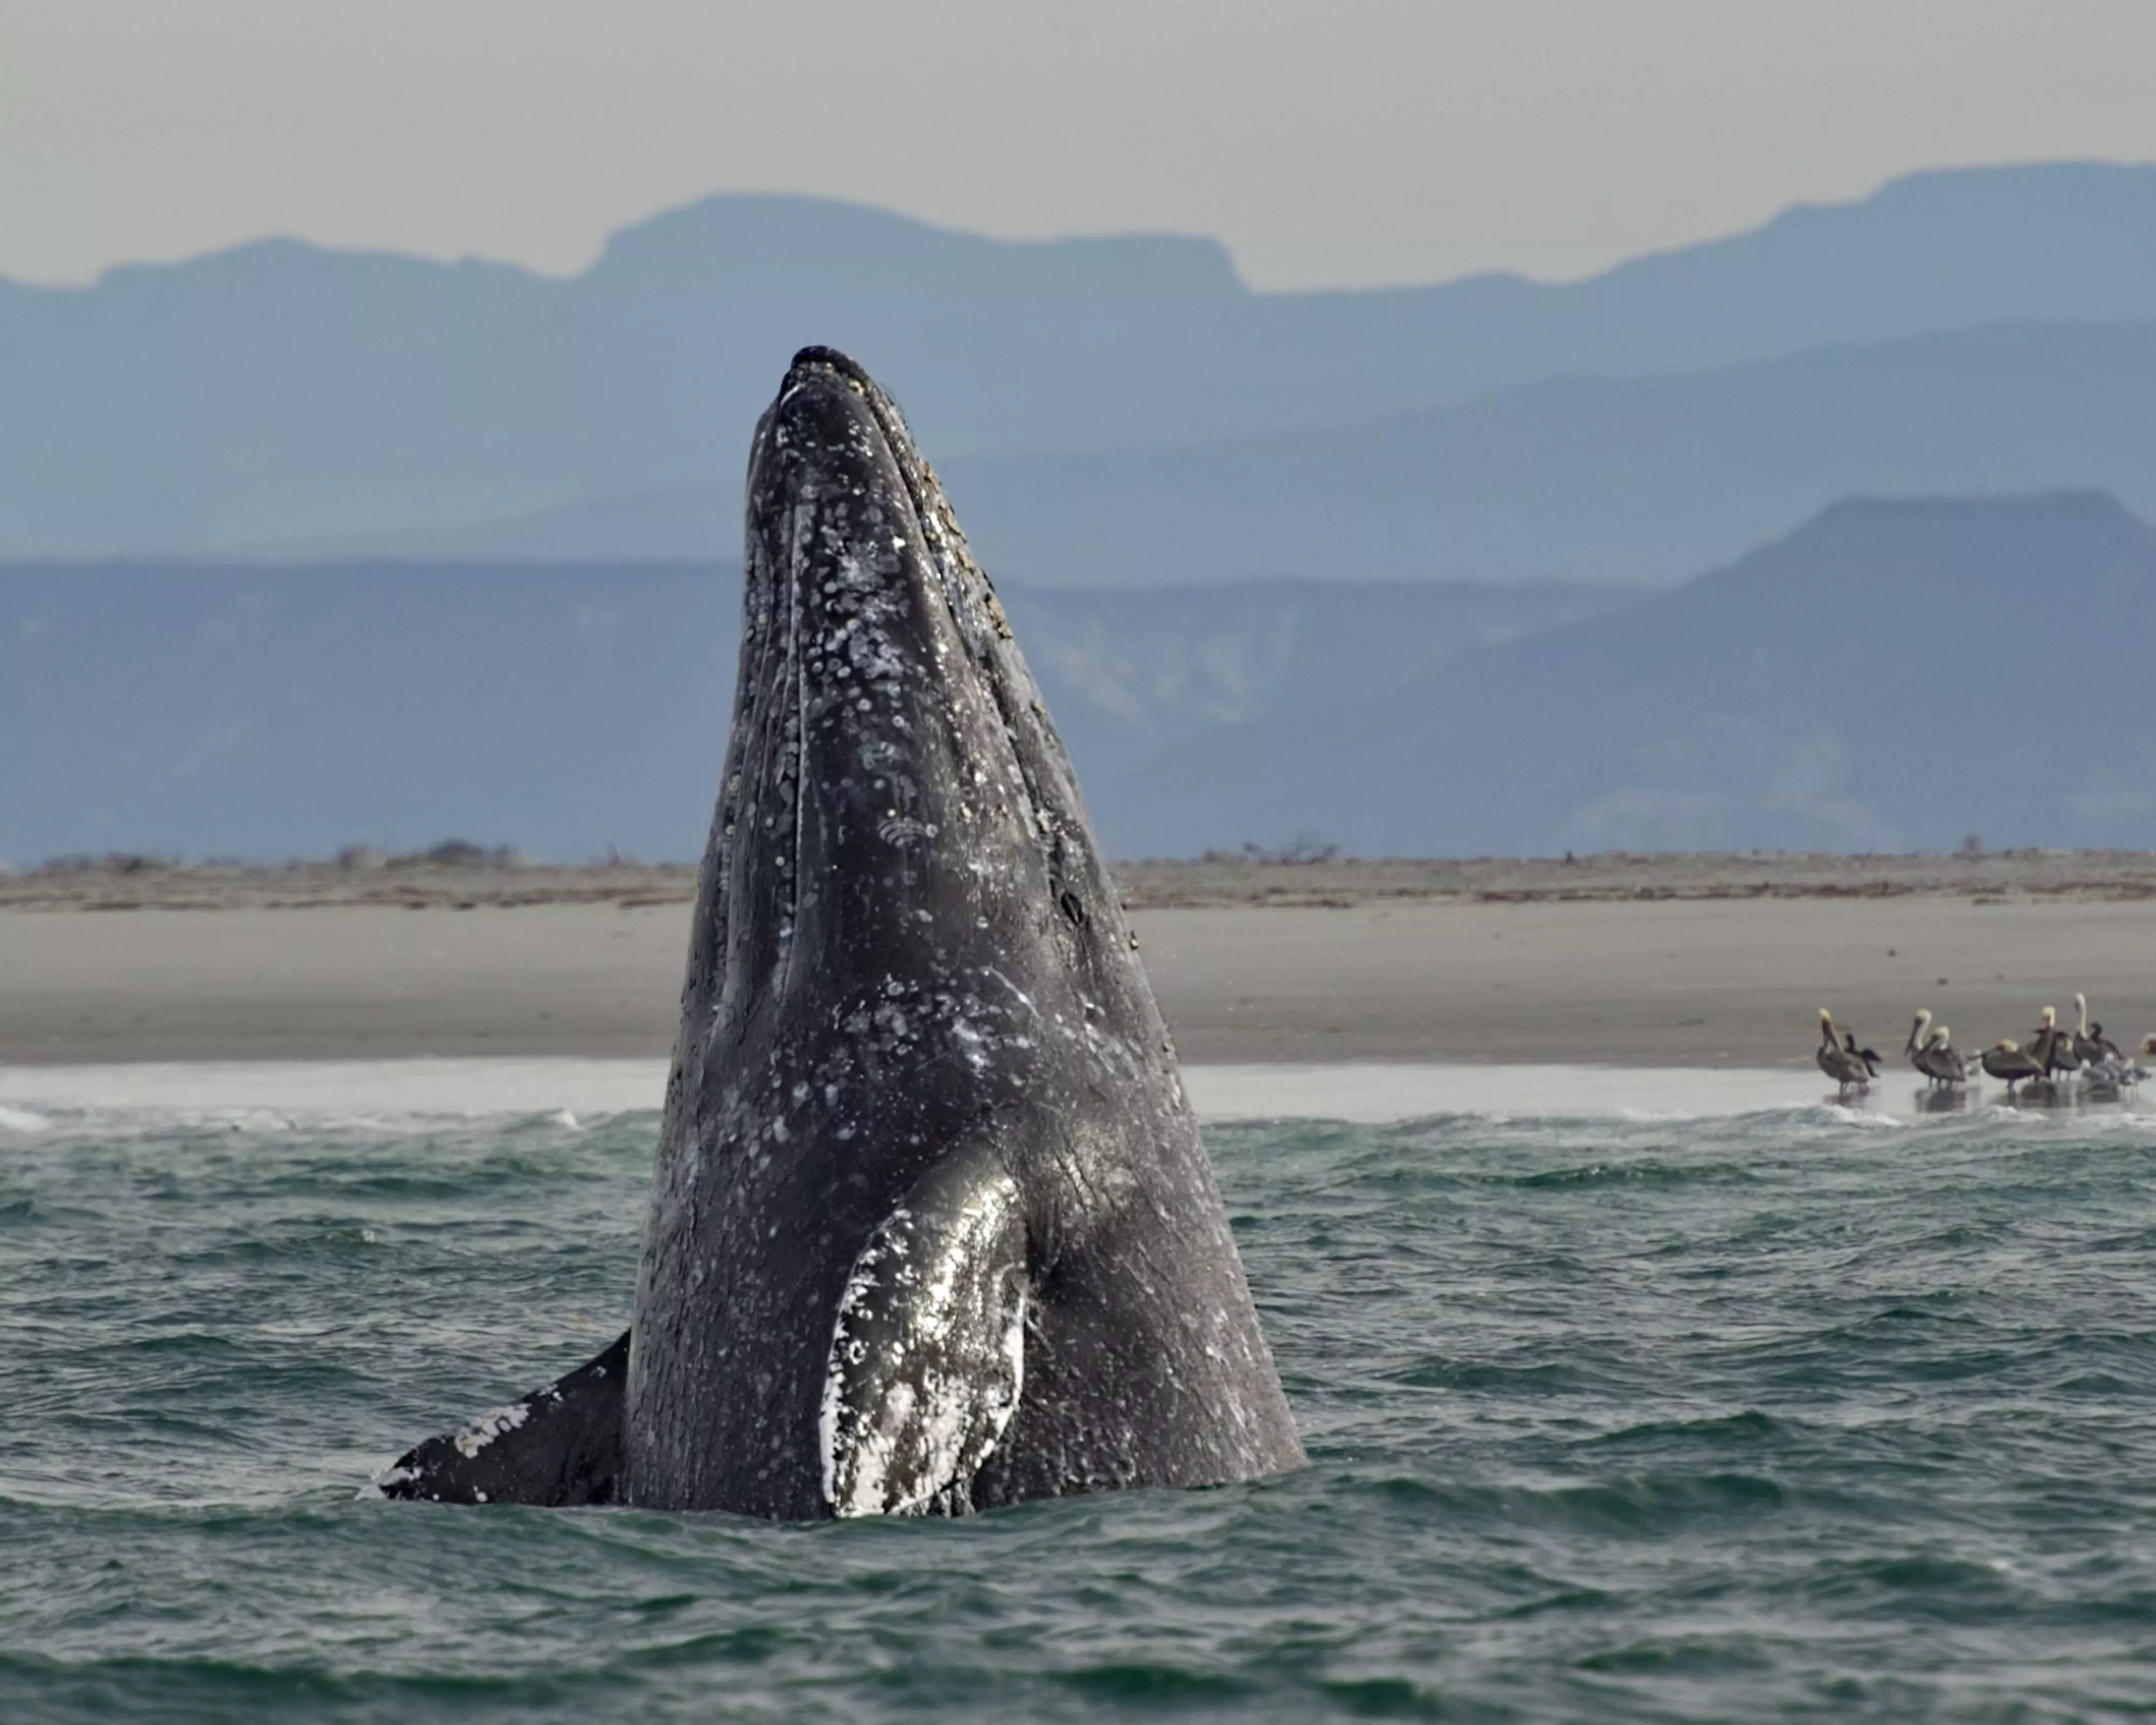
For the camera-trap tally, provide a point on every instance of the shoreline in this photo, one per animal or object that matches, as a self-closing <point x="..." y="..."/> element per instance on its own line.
<point x="363" y="1095"/>
<point x="1695" y="982"/>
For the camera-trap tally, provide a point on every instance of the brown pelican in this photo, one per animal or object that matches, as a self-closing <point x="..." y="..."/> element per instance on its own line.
<point x="1844" y="1066"/>
<point x="1917" y="1034"/>
<point x="1870" y="1056"/>
<point x="2007" y="1061"/>
<point x="1922" y="1038"/>
<point x="1939" y="1061"/>
<point x="2051" y="1047"/>
<point x="2090" y="1045"/>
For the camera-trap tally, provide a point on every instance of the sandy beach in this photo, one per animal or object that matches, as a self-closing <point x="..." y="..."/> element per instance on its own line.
<point x="1660" y="962"/>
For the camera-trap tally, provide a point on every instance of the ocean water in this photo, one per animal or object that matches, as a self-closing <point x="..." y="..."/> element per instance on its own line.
<point x="1798" y="1412"/>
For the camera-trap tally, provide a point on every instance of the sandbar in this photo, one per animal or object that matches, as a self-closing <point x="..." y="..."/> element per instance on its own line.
<point x="1674" y="982"/>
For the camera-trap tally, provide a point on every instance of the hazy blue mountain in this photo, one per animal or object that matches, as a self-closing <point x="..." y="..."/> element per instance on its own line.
<point x="1634" y="480"/>
<point x="210" y="710"/>
<point x="267" y="713"/>
<point x="1132" y="675"/>
<point x="683" y="523"/>
<point x="1894" y="675"/>
<point x="281" y="393"/>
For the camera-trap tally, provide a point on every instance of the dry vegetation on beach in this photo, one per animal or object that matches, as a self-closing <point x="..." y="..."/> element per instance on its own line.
<point x="449" y="877"/>
<point x="457" y="876"/>
<point x="1617" y="876"/>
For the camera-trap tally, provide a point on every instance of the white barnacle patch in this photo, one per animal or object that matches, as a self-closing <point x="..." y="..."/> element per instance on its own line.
<point x="484" y="1429"/>
<point x="971" y="1043"/>
<point x="926" y="1363"/>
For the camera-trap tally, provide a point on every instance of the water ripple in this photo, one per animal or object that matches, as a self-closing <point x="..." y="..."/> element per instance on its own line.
<point x="1787" y="1414"/>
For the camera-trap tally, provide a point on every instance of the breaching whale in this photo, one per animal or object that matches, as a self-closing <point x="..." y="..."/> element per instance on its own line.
<point x="932" y="1229"/>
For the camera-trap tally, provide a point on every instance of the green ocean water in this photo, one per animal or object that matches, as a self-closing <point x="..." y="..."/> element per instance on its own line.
<point x="1802" y="1414"/>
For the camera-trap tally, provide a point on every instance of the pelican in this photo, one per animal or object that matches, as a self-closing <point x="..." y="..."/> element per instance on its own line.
<point x="2006" y="1060"/>
<point x="2051" y="1047"/>
<point x="1920" y="1040"/>
<point x="2091" y="1045"/>
<point x="1870" y="1056"/>
<point x="1917" y="1034"/>
<point x="1844" y="1066"/>
<point x="1939" y="1061"/>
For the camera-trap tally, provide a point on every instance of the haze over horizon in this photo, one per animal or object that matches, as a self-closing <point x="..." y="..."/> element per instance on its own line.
<point x="1363" y="146"/>
<point x="418" y="517"/>
<point x="1976" y="330"/>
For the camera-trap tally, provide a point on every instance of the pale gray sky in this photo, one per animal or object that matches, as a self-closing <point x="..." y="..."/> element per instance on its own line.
<point x="1351" y="141"/>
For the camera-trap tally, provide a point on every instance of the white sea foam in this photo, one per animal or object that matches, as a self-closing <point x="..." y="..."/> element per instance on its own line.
<point x="247" y="1093"/>
<point x="272" y="1096"/>
<point x="1372" y="1093"/>
<point x="1864" y="1119"/>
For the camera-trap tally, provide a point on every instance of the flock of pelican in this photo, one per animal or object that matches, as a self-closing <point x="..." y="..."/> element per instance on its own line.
<point x="2053" y="1052"/>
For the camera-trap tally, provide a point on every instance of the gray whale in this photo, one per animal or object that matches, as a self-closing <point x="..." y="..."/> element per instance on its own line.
<point x="932" y="1229"/>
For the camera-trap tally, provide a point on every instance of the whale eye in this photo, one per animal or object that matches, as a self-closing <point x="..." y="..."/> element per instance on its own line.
<point x="1074" y="911"/>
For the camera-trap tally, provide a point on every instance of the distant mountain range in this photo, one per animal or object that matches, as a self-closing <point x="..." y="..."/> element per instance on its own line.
<point x="1892" y="675"/>
<point x="284" y="395"/>
<point x="1638" y="480"/>
<point x="1629" y="481"/>
<point x="1393" y="568"/>
<point x="212" y="709"/>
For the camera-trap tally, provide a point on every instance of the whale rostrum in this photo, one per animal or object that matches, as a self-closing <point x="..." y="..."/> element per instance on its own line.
<point x="930" y="1230"/>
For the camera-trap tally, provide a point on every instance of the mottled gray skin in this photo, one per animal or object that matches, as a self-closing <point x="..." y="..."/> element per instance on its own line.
<point x="906" y="950"/>
<point x="931" y="1229"/>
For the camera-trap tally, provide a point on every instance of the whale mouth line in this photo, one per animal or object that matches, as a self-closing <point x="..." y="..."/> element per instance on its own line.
<point x="793" y="762"/>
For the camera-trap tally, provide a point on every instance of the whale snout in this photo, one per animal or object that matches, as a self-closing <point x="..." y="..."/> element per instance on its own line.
<point x="876" y="725"/>
<point x="814" y="358"/>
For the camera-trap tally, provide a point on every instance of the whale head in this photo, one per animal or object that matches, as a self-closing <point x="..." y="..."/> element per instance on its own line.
<point x="894" y="799"/>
